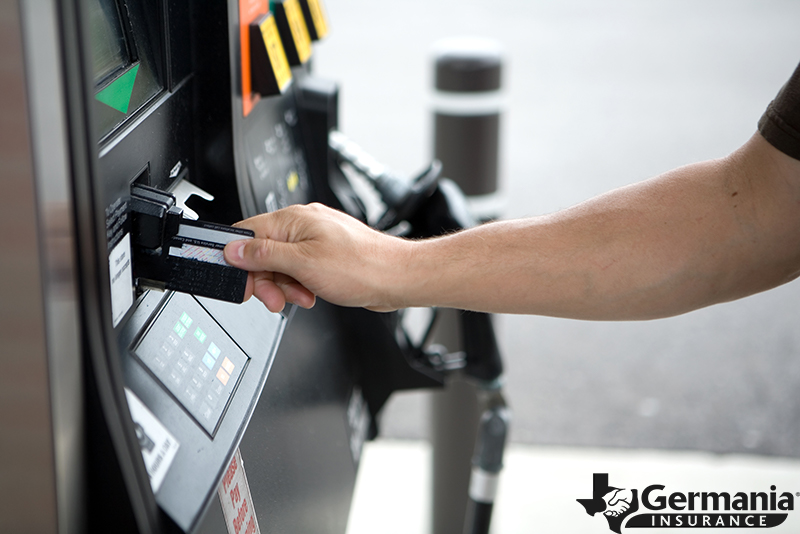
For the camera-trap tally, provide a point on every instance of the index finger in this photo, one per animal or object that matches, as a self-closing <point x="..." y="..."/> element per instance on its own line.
<point x="271" y="225"/>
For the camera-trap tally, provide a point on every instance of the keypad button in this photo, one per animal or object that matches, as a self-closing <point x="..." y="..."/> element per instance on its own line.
<point x="189" y="356"/>
<point x="176" y="377"/>
<point x="182" y="366"/>
<point x="159" y="363"/>
<point x="200" y="335"/>
<point x="196" y="382"/>
<point x="211" y="398"/>
<point x="222" y="376"/>
<point x="167" y="350"/>
<point x="190" y="395"/>
<point x="180" y="330"/>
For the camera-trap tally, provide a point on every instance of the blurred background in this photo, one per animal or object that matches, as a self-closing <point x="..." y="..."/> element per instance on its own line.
<point x="599" y="94"/>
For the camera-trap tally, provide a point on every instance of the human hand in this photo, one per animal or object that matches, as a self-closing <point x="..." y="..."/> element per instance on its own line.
<point x="303" y="251"/>
<point x="617" y="502"/>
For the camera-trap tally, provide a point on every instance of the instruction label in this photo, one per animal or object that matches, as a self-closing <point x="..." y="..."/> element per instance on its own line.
<point x="237" y="504"/>
<point x="158" y="445"/>
<point x="120" y="271"/>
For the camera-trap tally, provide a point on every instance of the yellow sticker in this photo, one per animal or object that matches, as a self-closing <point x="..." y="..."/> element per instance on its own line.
<point x="292" y="181"/>
<point x="302" y="41"/>
<point x="277" y="56"/>
<point x="318" y="16"/>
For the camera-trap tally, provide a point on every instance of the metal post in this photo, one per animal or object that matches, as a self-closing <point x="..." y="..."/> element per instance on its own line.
<point x="466" y="140"/>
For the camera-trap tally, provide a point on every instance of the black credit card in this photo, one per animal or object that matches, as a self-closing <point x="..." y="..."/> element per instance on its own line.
<point x="197" y="264"/>
<point x="190" y="259"/>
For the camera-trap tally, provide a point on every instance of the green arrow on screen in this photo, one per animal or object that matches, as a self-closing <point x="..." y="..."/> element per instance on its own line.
<point x="118" y="93"/>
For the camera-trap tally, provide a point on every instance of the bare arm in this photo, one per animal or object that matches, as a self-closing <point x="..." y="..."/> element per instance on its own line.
<point x="698" y="235"/>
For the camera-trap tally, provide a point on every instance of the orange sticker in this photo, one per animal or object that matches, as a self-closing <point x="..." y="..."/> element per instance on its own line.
<point x="228" y="366"/>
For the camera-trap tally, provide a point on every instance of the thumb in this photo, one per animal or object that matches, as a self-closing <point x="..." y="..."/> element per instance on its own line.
<point x="260" y="254"/>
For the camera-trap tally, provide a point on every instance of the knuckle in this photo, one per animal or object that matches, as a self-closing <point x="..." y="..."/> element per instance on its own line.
<point x="292" y="209"/>
<point x="316" y="210"/>
<point x="260" y="249"/>
<point x="315" y="206"/>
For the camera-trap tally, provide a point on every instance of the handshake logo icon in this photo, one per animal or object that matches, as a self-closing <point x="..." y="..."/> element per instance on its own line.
<point x="657" y="508"/>
<point x="614" y="503"/>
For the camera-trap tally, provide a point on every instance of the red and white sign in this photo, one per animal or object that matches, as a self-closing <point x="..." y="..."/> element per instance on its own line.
<point x="237" y="504"/>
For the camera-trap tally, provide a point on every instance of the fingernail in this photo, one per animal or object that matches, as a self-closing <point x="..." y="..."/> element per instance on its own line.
<point x="236" y="250"/>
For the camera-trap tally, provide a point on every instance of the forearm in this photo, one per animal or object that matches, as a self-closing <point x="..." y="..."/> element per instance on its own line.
<point x="698" y="235"/>
<point x="695" y="236"/>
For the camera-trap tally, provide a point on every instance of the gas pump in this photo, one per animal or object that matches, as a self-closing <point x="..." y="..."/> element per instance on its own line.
<point x="163" y="123"/>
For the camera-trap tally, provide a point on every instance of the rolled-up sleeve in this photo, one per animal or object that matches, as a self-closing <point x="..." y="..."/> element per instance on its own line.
<point x="780" y="123"/>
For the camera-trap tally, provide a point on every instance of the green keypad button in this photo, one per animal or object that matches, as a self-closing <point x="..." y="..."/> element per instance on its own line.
<point x="186" y="320"/>
<point x="200" y="335"/>
<point x="179" y="329"/>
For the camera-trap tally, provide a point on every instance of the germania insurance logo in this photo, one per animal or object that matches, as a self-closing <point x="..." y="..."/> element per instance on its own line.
<point x="658" y="507"/>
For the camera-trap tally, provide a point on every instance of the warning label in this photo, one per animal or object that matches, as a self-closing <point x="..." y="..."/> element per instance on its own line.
<point x="234" y="495"/>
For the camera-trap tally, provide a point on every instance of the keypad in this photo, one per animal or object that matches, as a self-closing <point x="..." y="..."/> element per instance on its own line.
<point x="193" y="358"/>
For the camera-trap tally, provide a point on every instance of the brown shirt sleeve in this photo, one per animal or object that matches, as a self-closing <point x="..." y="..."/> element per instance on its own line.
<point x="780" y="123"/>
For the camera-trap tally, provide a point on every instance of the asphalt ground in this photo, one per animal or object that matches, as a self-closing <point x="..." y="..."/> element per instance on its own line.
<point x="600" y="94"/>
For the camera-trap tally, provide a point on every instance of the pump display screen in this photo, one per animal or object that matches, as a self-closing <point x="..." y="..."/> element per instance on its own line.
<point x="109" y="47"/>
<point x="125" y="51"/>
<point x="194" y="359"/>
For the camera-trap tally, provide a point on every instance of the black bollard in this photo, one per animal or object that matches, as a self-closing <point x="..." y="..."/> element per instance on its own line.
<point x="467" y="106"/>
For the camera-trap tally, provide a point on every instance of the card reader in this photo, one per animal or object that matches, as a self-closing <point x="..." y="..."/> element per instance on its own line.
<point x="180" y="254"/>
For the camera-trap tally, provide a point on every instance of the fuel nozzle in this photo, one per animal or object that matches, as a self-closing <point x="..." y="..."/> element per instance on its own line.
<point x="401" y="196"/>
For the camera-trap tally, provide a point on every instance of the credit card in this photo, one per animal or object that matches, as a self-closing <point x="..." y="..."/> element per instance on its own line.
<point x="191" y="260"/>
<point x="204" y="279"/>
<point x="209" y="232"/>
<point x="204" y="241"/>
<point x="197" y="264"/>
